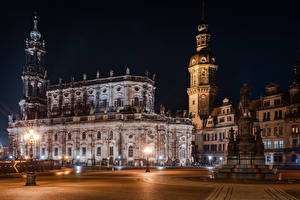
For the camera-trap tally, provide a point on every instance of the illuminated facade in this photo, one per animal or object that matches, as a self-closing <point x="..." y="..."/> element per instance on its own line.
<point x="276" y="112"/>
<point x="202" y="67"/>
<point x="95" y="120"/>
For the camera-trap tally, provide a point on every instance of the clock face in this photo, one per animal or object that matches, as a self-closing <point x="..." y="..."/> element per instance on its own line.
<point x="203" y="96"/>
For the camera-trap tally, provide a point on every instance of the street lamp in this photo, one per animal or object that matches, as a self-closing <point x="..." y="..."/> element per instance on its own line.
<point x="147" y="151"/>
<point x="160" y="159"/>
<point x="221" y="159"/>
<point x="108" y="151"/>
<point x="31" y="137"/>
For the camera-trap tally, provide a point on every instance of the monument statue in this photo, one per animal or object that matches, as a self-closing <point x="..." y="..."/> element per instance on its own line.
<point x="245" y="156"/>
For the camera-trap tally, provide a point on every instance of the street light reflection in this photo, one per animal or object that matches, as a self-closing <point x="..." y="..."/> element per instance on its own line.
<point x="78" y="169"/>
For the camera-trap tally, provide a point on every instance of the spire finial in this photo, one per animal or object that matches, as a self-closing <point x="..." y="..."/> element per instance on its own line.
<point x="35" y="34"/>
<point x="203" y="14"/>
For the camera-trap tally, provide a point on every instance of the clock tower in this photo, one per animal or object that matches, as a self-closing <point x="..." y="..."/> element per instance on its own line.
<point x="202" y="67"/>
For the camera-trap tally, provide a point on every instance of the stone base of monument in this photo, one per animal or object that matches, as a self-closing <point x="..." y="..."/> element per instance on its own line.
<point x="246" y="168"/>
<point x="30" y="179"/>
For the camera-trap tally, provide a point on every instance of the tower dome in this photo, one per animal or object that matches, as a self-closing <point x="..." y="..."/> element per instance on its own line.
<point x="35" y="34"/>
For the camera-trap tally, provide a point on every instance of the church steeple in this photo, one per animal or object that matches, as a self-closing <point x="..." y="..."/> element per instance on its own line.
<point x="203" y="37"/>
<point x="202" y="67"/>
<point x="33" y="102"/>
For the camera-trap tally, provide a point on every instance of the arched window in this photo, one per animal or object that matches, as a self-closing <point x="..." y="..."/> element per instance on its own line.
<point x="111" y="135"/>
<point x="130" y="151"/>
<point x="69" y="136"/>
<point x="136" y="101"/>
<point x="182" y="152"/>
<point x="99" y="135"/>
<point x="83" y="135"/>
<point x="55" y="137"/>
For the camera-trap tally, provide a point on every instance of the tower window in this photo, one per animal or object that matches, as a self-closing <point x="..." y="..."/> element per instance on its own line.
<point x="130" y="151"/>
<point x="99" y="135"/>
<point x="111" y="151"/>
<point x="69" y="136"/>
<point x="98" y="151"/>
<point x="55" y="151"/>
<point x="83" y="135"/>
<point x="70" y="151"/>
<point x="83" y="153"/>
<point x="111" y="135"/>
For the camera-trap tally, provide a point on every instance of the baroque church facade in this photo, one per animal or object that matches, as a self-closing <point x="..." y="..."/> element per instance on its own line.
<point x="276" y="112"/>
<point x="95" y="120"/>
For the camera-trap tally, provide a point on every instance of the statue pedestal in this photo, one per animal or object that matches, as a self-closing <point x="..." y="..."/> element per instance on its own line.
<point x="30" y="179"/>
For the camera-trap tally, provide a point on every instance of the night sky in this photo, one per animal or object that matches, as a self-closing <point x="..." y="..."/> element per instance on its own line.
<point x="254" y="42"/>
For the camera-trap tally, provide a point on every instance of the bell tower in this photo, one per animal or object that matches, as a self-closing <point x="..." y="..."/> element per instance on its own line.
<point x="33" y="102"/>
<point x="202" y="67"/>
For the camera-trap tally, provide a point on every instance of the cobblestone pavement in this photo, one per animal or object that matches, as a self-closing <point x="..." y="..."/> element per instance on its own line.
<point x="137" y="185"/>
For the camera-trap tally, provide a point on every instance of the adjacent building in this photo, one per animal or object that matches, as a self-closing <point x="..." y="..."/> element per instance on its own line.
<point x="276" y="111"/>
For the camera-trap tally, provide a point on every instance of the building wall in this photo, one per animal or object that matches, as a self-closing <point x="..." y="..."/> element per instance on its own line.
<point x="171" y="142"/>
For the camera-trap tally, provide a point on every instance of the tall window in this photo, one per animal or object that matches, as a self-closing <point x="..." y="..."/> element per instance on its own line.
<point x="182" y="152"/>
<point x="280" y="130"/>
<point x="83" y="153"/>
<point x="268" y="131"/>
<point x="55" y="137"/>
<point x="70" y="151"/>
<point x="281" y="144"/>
<point x="55" y="151"/>
<point x="98" y="151"/>
<point x="111" y="135"/>
<point x="280" y="114"/>
<point x="136" y="101"/>
<point x="295" y="129"/>
<point x="265" y="144"/>
<point x="99" y="135"/>
<point x="275" y="131"/>
<point x="119" y="102"/>
<point x="264" y="132"/>
<point x="276" y="114"/>
<point x="69" y="136"/>
<point x="83" y="135"/>
<point x="130" y="151"/>
<point x="295" y="143"/>
<point x="275" y="144"/>
<point x="43" y="151"/>
<point x="269" y="145"/>
<point x="111" y="151"/>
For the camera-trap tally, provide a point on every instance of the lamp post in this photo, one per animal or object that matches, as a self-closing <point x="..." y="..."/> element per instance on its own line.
<point x="31" y="137"/>
<point x="147" y="151"/>
<point x="108" y="152"/>
<point x="210" y="158"/>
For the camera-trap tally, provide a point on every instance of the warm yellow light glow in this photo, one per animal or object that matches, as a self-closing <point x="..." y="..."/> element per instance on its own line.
<point x="59" y="157"/>
<point x="27" y="136"/>
<point x="31" y="136"/>
<point x="147" y="150"/>
<point x="26" y="157"/>
<point x="67" y="157"/>
<point x="36" y="136"/>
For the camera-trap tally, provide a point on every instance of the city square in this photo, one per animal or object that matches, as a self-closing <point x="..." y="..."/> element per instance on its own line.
<point x="136" y="184"/>
<point x="150" y="101"/>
